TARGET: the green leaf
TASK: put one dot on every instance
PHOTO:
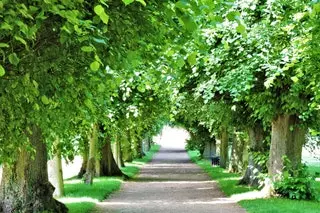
(87, 49)
(3, 45)
(142, 2)
(99, 10)
(192, 58)
(94, 66)
(127, 2)
(18, 38)
(100, 41)
(2, 71)
(295, 79)
(13, 59)
(45, 100)
(141, 88)
(234, 15)
(241, 29)
(189, 23)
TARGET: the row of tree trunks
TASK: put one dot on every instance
(256, 136)
(25, 186)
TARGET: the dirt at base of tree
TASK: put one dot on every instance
(170, 183)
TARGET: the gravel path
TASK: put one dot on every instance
(170, 183)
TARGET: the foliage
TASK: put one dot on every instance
(296, 183)
(261, 159)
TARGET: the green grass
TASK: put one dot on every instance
(80, 197)
(314, 169)
(132, 168)
(228, 182)
(278, 205)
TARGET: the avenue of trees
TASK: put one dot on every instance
(99, 78)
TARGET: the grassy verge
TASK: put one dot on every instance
(278, 205)
(228, 184)
(133, 167)
(80, 197)
(314, 169)
(226, 181)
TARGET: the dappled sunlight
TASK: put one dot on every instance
(77, 200)
(249, 195)
(167, 202)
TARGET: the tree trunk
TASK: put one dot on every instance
(287, 139)
(84, 160)
(117, 153)
(127, 151)
(236, 163)
(90, 171)
(25, 186)
(256, 137)
(108, 164)
(56, 173)
(224, 148)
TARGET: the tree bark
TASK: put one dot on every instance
(25, 186)
(90, 171)
(127, 150)
(85, 159)
(256, 137)
(224, 148)
(108, 164)
(236, 161)
(117, 153)
(56, 173)
(287, 139)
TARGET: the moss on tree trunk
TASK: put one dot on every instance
(25, 186)
(256, 137)
(224, 147)
(287, 139)
(90, 171)
(236, 160)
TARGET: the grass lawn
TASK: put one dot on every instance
(278, 205)
(228, 184)
(132, 168)
(314, 169)
(80, 197)
(226, 181)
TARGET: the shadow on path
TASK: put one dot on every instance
(169, 183)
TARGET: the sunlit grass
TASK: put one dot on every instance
(228, 182)
(278, 205)
(81, 198)
(132, 168)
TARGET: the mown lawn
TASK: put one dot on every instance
(278, 205)
(228, 184)
(226, 181)
(80, 197)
